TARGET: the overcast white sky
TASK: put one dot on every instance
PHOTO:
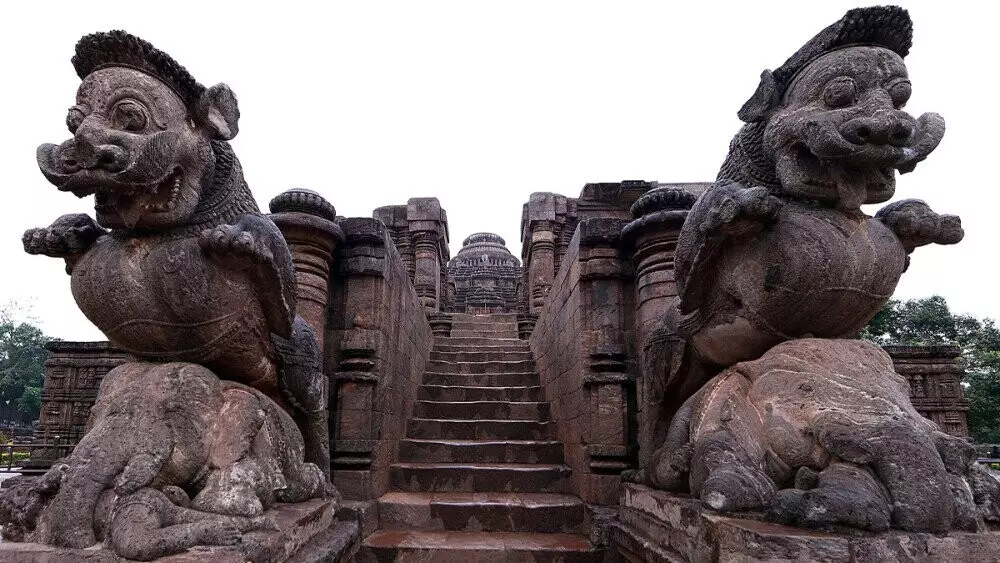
(480, 104)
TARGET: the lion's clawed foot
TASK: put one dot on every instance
(741, 211)
(916, 224)
(234, 244)
(69, 235)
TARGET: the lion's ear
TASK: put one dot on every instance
(219, 113)
(763, 101)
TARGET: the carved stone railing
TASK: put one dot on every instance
(378, 340)
(583, 347)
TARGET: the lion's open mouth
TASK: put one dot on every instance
(161, 197)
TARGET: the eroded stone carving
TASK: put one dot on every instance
(181, 268)
(776, 255)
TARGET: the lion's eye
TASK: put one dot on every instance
(900, 93)
(129, 115)
(74, 118)
(840, 92)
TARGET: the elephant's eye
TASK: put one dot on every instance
(74, 118)
(900, 92)
(840, 92)
(129, 115)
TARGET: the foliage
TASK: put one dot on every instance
(5, 457)
(22, 363)
(930, 321)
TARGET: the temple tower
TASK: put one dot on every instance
(484, 275)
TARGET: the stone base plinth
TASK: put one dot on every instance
(307, 532)
(655, 526)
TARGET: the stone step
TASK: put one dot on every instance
(494, 333)
(483, 379)
(480, 410)
(476, 547)
(483, 451)
(497, 318)
(476, 343)
(481, 512)
(479, 326)
(459, 429)
(479, 477)
(482, 355)
(471, 393)
(494, 366)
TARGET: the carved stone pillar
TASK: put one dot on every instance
(526, 324)
(652, 238)
(427, 271)
(609, 380)
(362, 272)
(542, 270)
(428, 231)
(394, 218)
(306, 220)
(440, 324)
(541, 225)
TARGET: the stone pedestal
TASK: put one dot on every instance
(655, 526)
(307, 531)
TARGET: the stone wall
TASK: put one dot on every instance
(377, 342)
(935, 375)
(582, 344)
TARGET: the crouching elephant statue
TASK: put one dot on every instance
(180, 442)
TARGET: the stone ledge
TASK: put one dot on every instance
(657, 526)
(307, 532)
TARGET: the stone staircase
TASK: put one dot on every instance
(480, 475)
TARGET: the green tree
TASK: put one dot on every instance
(22, 363)
(930, 321)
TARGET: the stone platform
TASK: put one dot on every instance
(307, 532)
(656, 526)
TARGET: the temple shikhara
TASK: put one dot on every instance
(668, 372)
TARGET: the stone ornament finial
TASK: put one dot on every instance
(659, 207)
(301, 200)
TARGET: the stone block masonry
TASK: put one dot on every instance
(582, 343)
(378, 341)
